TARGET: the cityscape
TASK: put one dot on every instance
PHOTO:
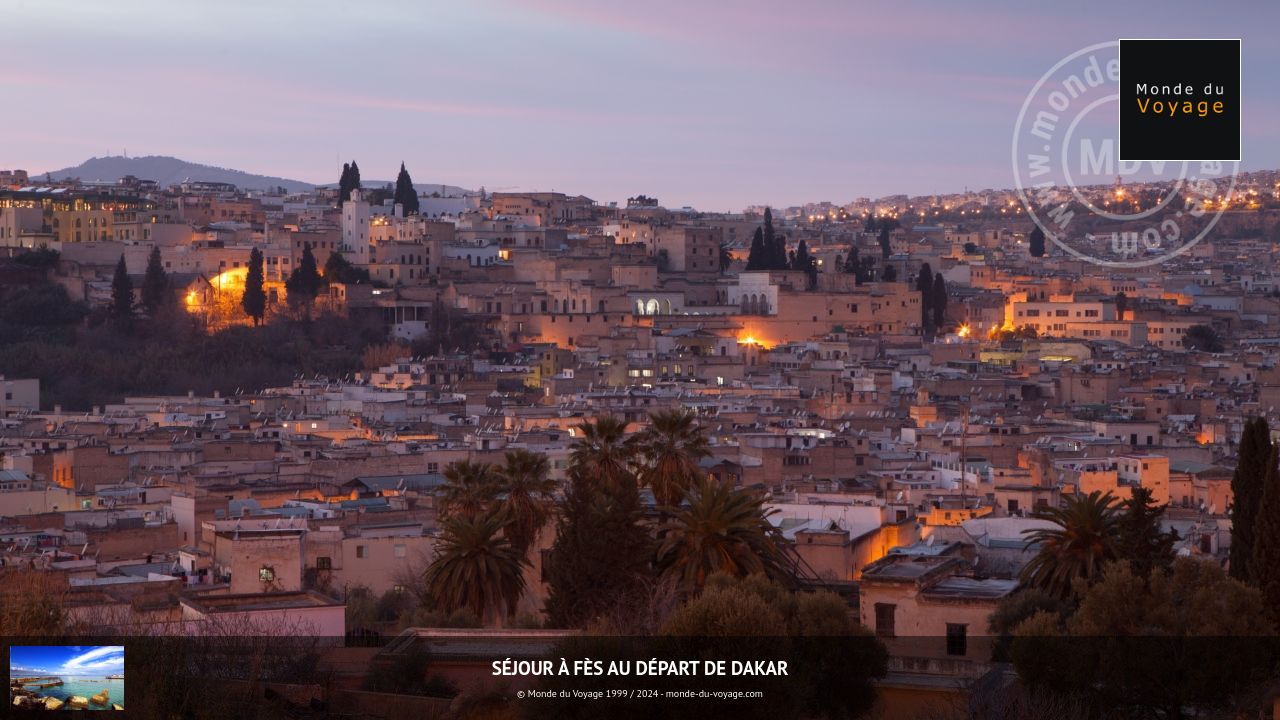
(364, 446)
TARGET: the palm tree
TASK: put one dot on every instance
(602, 454)
(526, 495)
(476, 566)
(469, 488)
(671, 447)
(720, 529)
(1083, 541)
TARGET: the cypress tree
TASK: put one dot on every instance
(885, 249)
(254, 300)
(344, 183)
(121, 307)
(304, 282)
(889, 274)
(1246, 488)
(405, 195)
(1265, 564)
(355, 176)
(155, 284)
(939, 300)
(756, 259)
(775, 248)
(1036, 242)
(924, 285)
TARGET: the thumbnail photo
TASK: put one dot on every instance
(67, 677)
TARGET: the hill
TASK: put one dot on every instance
(168, 171)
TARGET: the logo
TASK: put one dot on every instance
(1087, 200)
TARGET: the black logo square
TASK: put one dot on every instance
(1180, 100)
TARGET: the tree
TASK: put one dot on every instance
(726, 258)
(938, 299)
(1035, 242)
(526, 495)
(155, 284)
(1190, 637)
(1140, 540)
(1122, 302)
(1246, 489)
(121, 307)
(406, 196)
(775, 246)
(924, 285)
(602, 555)
(1203, 338)
(304, 283)
(337, 269)
(469, 488)
(970, 249)
(1083, 541)
(889, 274)
(1266, 541)
(756, 258)
(885, 248)
(602, 455)
(720, 529)
(254, 300)
(671, 448)
(476, 567)
(349, 181)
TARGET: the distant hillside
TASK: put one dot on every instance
(170, 171)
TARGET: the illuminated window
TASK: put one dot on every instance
(267, 574)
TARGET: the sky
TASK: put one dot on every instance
(66, 660)
(708, 103)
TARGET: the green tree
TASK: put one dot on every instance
(476, 567)
(1186, 638)
(602, 554)
(526, 495)
(924, 285)
(1203, 338)
(1266, 541)
(1035, 242)
(720, 529)
(469, 488)
(406, 196)
(602, 455)
(254, 299)
(337, 269)
(121, 307)
(1139, 539)
(349, 181)
(1083, 541)
(886, 249)
(970, 249)
(1122, 303)
(890, 273)
(938, 300)
(155, 284)
(1246, 489)
(756, 258)
(304, 283)
(671, 448)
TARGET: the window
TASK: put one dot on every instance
(360, 551)
(324, 563)
(957, 639)
(884, 619)
(267, 574)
